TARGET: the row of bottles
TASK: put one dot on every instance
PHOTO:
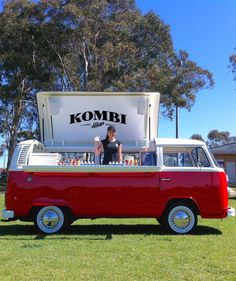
(79, 162)
(88, 159)
(75, 162)
(134, 162)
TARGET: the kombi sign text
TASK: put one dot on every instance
(98, 115)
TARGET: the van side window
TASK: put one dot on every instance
(76, 158)
(200, 158)
(131, 158)
(178, 159)
(148, 159)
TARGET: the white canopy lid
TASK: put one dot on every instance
(71, 118)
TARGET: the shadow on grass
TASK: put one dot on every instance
(92, 231)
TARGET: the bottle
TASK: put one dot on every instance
(67, 162)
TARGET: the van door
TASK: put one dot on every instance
(125, 194)
(186, 173)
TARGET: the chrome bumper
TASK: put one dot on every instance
(231, 192)
(231, 212)
(7, 214)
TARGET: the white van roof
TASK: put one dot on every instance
(178, 142)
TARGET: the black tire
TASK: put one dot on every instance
(51, 219)
(180, 218)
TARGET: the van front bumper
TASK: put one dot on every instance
(231, 212)
(231, 192)
(7, 215)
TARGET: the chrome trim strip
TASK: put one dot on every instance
(90, 169)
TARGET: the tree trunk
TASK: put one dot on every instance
(14, 130)
(85, 66)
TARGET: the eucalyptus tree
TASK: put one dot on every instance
(24, 69)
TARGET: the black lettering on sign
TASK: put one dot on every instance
(87, 116)
(97, 124)
(75, 118)
(98, 115)
(114, 117)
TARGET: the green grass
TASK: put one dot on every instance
(118, 249)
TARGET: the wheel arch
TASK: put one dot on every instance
(36, 207)
(171, 205)
(189, 201)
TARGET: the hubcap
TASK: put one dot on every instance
(50, 218)
(181, 219)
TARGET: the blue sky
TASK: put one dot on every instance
(206, 29)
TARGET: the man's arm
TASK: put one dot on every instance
(98, 148)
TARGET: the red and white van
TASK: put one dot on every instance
(59, 180)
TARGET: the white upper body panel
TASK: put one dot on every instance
(72, 118)
(33, 155)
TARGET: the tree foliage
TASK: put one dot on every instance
(87, 45)
(216, 137)
(197, 137)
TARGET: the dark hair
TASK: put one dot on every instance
(112, 128)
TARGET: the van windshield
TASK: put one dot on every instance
(200, 158)
(214, 160)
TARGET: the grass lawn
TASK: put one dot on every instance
(118, 249)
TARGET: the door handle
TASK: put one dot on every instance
(165, 179)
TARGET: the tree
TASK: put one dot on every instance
(92, 45)
(216, 137)
(110, 46)
(23, 69)
(185, 81)
(197, 137)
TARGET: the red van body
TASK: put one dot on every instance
(117, 194)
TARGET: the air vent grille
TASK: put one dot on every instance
(23, 155)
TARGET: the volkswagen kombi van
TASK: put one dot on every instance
(59, 180)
